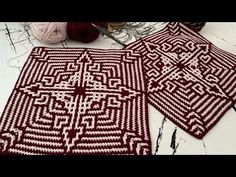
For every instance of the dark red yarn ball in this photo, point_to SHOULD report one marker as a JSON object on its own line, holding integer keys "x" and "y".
{"x": 82, "y": 31}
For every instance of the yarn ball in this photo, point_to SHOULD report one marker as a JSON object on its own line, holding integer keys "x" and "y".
{"x": 49, "y": 32}
{"x": 82, "y": 31}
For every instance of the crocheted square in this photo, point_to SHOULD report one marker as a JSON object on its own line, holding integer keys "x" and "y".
{"x": 190, "y": 81}
{"x": 77, "y": 101}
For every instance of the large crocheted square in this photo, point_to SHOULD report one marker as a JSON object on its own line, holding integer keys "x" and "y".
{"x": 77, "y": 101}
{"x": 190, "y": 81}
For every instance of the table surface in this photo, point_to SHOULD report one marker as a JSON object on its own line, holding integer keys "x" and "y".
{"x": 17, "y": 41}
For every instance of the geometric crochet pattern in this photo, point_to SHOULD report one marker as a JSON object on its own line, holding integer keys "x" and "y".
{"x": 77, "y": 101}
{"x": 189, "y": 80}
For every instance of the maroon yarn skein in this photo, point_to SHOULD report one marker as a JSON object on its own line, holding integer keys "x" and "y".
{"x": 82, "y": 31}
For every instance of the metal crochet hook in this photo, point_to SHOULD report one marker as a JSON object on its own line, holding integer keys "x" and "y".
{"x": 104, "y": 31}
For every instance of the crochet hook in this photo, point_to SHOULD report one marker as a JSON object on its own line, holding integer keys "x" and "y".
{"x": 104, "y": 31}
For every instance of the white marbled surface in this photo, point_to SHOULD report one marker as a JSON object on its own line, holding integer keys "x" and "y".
{"x": 16, "y": 42}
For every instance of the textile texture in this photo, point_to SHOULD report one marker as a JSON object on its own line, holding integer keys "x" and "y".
{"x": 77, "y": 101}
{"x": 190, "y": 81}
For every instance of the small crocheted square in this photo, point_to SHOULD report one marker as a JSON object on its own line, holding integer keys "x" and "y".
{"x": 190, "y": 81}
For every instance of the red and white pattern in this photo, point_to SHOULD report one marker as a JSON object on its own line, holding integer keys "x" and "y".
{"x": 77, "y": 101}
{"x": 191, "y": 81}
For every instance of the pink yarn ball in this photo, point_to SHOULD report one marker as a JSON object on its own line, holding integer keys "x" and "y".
{"x": 49, "y": 32}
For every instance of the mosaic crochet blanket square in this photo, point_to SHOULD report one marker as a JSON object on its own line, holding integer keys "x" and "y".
{"x": 77, "y": 101}
{"x": 191, "y": 81}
